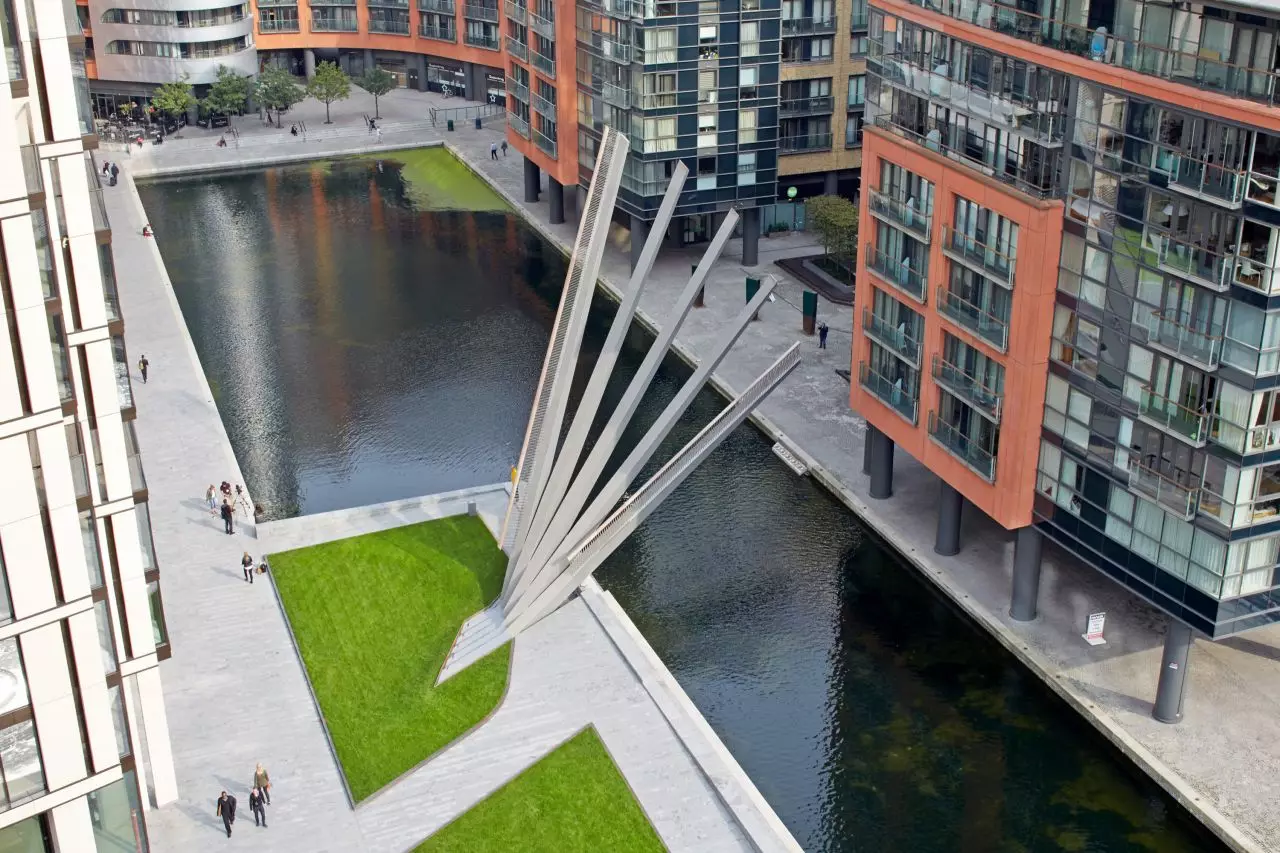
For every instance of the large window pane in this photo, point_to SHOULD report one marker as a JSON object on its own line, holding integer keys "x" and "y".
{"x": 13, "y": 683}
{"x": 116, "y": 815}
{"x": 143, "y": 516}
{"x": 105, "y": 641}
{"x": 25, "y": 837}
{"x": 118, "y": 720}
{"x": 157, "y": 614}
{"x": 20, "y": 761}
{"x": 89, "y": 536}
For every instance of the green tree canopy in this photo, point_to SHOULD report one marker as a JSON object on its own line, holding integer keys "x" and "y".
{"x": 277, "y": 91}
{"x": 835, "y": 220}
{"x": 329, "y": 84}
{"x": 228, "y": 94}
{"x": 174, "y": 98}
{"x": 376, "y": 82}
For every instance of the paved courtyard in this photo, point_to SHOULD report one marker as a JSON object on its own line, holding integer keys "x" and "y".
{"x": 1221, "y": 761}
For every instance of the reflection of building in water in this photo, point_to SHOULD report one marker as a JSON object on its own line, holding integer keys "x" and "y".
{"x": 83, "y": 730}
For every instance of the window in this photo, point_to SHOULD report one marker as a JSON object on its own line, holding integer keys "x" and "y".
{"x": 106, "y": 643}
{"x": 117, "y": 812}
{"x": 707, "y": 86}
{"x": 706, "y": 173}
{"x": 1075, "y": 341}
{"x": 747, "y": 126}
{"x": 660, "y": 45}
{"x": 159, "y": 632}
{"x": 707, "y": 130}
{"x": 1067, "y": 411}
{"x": 858, "y": 46}
{"x": 748, "y": 79}
{"x": 746, "y": 168}
{"x": 857, "y": 90}
{"x": 120, "y": 723}
{"x": 749, "y": 39}
{"x": 659, "y": 134}
{"x": 853, "y": 130}
{"x": 659, "y": 90}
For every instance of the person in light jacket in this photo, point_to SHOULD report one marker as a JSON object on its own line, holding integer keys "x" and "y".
{"x": 262, "y": 781}
{"x": 247, "y": 562}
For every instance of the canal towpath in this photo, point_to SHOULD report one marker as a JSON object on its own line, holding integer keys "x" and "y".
{"x": 1220, "y": 762}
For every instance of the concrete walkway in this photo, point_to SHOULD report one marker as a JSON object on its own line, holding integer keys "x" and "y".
{"x": 1221, "y": 761}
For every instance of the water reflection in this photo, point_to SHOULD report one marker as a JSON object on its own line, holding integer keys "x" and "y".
{"x": 376, "y": 352}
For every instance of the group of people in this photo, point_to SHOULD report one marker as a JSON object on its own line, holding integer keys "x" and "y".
{"x": 259, "y": 799}
{"x": 373, "y": 127}
{"x": 227, "y": 509}
{"x": 493, "y": 150}
{"x": 111, "y": 172}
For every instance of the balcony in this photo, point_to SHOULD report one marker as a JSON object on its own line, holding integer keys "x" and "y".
{"x": 1198, "y": 342}
{"x": 978, "y": 459}
{"x": 546, "y": 143}
{"x": 1169, "y": 493}
{"x": 278, "y": 25}
{"x": 893, "y": 394}
{"x": 1205, "y": 180}
{"x": 804, "y": 144}
{"x": 518, "y": 124}
{"x": 618, "y": 96}
{"x": 544, "y": 27}
{"x": 439, "y": 7}
{"x": 965, "y": 314}
{"x": 904, "y": 215}
{"x": 520, "y": 90}
{"x": 518, "y": 49}
{"x": 477, "y": 12}
{"x": 481, "y": 40}
{"x": 968, "y": 388}
{"x": 822, "y": 105}
{"x": 900, "y": 341}
{"x": 979, "y": 257}
{"x": 544, "y": 106}
{"x": 897, "y": 273}
{"x": 438, "y": 33}
{"x": 516, "y": 12}
{"x": 1173, "y": 417}
{"x": 395, "y": 28}
{"x": 1199, "y": 263}
{"x": 333, "y": 26}
{"x": 623, "y": 8}
{"x": 807, "y": 26}
{"x": 545, "y": 64}
{"x": 616, "y": 51}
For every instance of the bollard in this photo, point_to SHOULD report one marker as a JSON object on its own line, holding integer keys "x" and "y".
{"x": 753, "y": 287}
{"x": 809, "y": 312}
{"x": 477, "y": 122}
{"x": 698, "y": 300}
{"x": 450, "y": 125}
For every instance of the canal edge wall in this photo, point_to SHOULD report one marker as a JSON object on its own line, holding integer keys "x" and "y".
{"x": 1172, "y": 783}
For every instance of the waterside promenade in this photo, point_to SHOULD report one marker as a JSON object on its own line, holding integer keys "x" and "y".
{"x": 237, "y": 693}
{"x": 1220, "y": 761}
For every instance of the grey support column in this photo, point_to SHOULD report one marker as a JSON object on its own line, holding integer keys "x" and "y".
{"x": 1173, "y": 673}
{"x": 639, "y": 232}
{"x": 555, "y": 192}
{"x": 309, "y": 63}
{"x": 750, "y": 236}
{"x": 950, "y": 509}
{"x": 1026, "y": 574}
{"x": 832, "y": 185}
{"x": 368, "y": 60}
{"x": 532, "y": 177}
{"x": 867, "y": 440}
{"x": 881, "y": 466}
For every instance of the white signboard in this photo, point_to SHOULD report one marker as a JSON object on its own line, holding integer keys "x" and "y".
{"x": 1093, "y": 632}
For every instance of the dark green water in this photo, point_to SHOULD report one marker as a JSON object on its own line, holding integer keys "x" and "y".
{"x": 363, "y": 351}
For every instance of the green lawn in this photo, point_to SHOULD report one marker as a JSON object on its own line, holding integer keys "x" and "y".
{"x": 436, "y": 180}
{"x": 572, "y": 801}
{"x": 374, "y": 617}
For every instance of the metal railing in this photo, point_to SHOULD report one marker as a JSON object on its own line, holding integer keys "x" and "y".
{"x": 476, "y": 40}
{"x": 980, "y": 460}
{"x": 904, "y": 278}
{"x": 542, "y": 105}
{"x": 438, "y": 33}
{"x": 801, "y": 144}
{"x": 968, "y": 388}
{"x": 992, "y": 329}
{"x": 278, "y": 25}
{"x": 545, "y": 64}
{"x": 392, "y": 27}
{"x": 440, "y": 7}
{"x": 518, "y": 49}
{"x": 518, "y": 124}
{"x": 823, "y": 104}
{"x": 981, "y": 257}
{"x": 614, "y": 51}
{"x": 465, "y": 114}
{"x": 1174, "y": 417}
{"x": 480, "y": 13}
{"x": 1205, "y": 179}
{"x": 333, "y": 26}
{"x": 1198, "y": 263}
{"x": 520, "y": 90}
{"x": 618, "y": 96}
{"x": 898, "y": 340}
{"x": 1167, "y": 492}
{"x": 1201, "y": 342}
{"x": 902, "y": 215}
{"x": 895, "y": 395}
{"x": 546, "y": 143}
{"x": 517, "y": 12}
{"x": 807, "y": 26}
{"x": 544, "y": 27}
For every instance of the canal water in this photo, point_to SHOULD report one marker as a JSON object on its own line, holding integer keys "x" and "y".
{"x": 365, "y": 344}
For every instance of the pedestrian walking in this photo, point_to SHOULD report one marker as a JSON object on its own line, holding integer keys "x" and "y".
{"x": 212, "y": 499}
{"x": 504, "y": 148}
{"x": 247, "y": 562}
{"x": 262, "y": 781}
{"x": 822, "y": 335}
{"x": 115, "y": 171}
{"x": 255, "y": 806}
{"x": 293, "y": 129}
{"x": 227, "y": 811}
{"x": 379, "y": 134}
{"x": 226, "y": 515}
{"x": 493, "y": 151}
{"x": 143, "y": 364}
{"x": 106, "y": 168}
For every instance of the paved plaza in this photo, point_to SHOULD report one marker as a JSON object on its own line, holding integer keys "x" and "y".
{"x": 1221, "y": 761}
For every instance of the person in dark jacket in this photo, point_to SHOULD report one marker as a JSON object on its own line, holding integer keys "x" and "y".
{"x": 226, "y": 515}
{"x": 255, "y": 806}
{"x": 227, "y": 811}
{"x": 822, "y": 336}
{"x": 115, "y": 172}
{"x": 247, "y": 562}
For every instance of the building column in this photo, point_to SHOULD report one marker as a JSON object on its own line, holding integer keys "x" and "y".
{"x": 71, "y": 827}
{"x": 1026, "y": 574}
{"x": 867, "y": 449}
{"x": 832, "y": 184}
{"x": 368, "y": 60}
{"x": 155, "y": 724}
{"x": 950, "y": 510}
{"x": 1173, "y": 673}
{"x": 639, "y": 232}
{"x": 750, "y": 236}
{"x": 881, "y": 466}
{"x": 532, "y": 178}
{"x": 556, "y": 192}
{"x": 572, "y": 201}
{"x": 309, "y": 63}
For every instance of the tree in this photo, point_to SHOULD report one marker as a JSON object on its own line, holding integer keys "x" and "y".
{"x": 329, "y": 84}
{"x": 376, "y": 82}
{"x": 835, "y": 220}
{"x": 174, "y": 98}
{"x": 277, "y": 91}
{"x": 228, "y": 94}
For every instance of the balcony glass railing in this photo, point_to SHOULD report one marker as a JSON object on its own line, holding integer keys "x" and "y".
{"x": 1185, "y": 63}
{"x": 807, "y": 26}
{"x": 438, "y": 33}
{"x": 901, "y": 340}
{"x": 544, "y": 27}
{"x": 988, "y": 260}
{"x": 518, "y": 49}
{"x": 968, "y": 388}
{"x": 618, "y": 52}
{"x": 992, "y": 329}
{"x": 516, "y": 12}
{"x": 333, "y": 26}
{"x": 481, "y": 40}
{"x": 542, "y": 105}
{"x": 898, "y": 273}
{"x": 546, "y": 143}
{"x": 518, "y": 124}
{"x": 896, "y": 394}
{"x": 481, "y": 13}
{"x": 1175, "y": 417}
{"x": 520, "y": 90}
{"x": 1205, "y": 179}
{"x": 439, "y": 7}
{"x": 395, "y": 28}
{"x": 971, "y": 453}
{"x": 807, "y": 106}
{"x": 802, "y": 144}
{"x": 1168, "y": 492}
{"x": 1198, "y": 263}
{"x": 545, "y": 64}
{"x": 278, "y": 25}
{"x": 618, "y": 96}
{"x": 1198, "y": 341}
{"x": 902, "y": 214}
